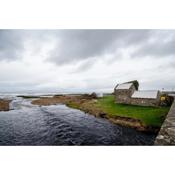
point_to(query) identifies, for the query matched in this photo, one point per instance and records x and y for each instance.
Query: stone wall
(144, 101)
(166, 134)
(124, 95)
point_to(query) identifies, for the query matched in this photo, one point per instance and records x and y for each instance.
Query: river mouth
(27, 124)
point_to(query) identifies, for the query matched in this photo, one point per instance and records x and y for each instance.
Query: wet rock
(102, 115)
(4, 105)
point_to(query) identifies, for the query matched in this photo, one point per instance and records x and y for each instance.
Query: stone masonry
(166, 134)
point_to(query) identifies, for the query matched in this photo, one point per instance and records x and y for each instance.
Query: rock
(89, 96)
(102, 114)
(4, 105)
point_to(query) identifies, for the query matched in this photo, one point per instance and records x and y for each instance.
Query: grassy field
(151, 116)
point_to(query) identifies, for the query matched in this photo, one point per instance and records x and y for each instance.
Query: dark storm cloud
(80, 45)
(11, 44)
(161, 43)
(77, 45)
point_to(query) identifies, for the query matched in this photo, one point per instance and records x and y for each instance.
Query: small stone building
(123, 92)
(146, 98)
(127, 93)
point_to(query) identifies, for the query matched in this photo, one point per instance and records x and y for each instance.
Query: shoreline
(85, 104)
(119, 120)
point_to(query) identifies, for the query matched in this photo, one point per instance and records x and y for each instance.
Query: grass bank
(139, 117)
(151, 116)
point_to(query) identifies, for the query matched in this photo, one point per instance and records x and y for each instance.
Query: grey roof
(145, 94)
(172, 95)
(124, 86)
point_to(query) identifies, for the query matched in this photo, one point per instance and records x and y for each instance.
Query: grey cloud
(163, 45)
(85, 47)
(82, 44)
(85, 65)
(76, 45)
(11, 44)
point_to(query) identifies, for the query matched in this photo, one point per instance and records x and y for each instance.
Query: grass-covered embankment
(151, 116)
(139, 117)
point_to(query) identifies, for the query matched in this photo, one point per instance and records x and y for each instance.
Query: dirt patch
(4, 105)
(87, 104)
(54, 100)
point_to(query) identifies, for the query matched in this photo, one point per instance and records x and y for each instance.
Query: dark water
(60, 125)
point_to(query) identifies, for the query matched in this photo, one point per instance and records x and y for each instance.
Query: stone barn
(123, 92)
(146, 98)
(128, 93)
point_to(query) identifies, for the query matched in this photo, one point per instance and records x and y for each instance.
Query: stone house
(146, 98)
(127, 93)
(123, 92)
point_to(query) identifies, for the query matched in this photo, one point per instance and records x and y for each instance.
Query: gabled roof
(145, 94)
(124, 86)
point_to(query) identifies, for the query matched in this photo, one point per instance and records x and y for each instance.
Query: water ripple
(27, 124)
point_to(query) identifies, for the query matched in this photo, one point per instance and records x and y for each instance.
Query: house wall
(124, 95)
(144, 102)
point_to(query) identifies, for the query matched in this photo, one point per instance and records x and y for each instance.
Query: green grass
(151, 116)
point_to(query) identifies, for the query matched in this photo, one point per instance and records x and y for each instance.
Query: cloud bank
(86, 60)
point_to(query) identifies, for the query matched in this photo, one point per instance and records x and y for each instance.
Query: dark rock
(102, 114)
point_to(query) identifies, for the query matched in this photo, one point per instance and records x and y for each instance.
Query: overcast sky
(86, 60)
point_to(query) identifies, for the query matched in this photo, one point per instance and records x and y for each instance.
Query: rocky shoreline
(85, 103)
(4, 105)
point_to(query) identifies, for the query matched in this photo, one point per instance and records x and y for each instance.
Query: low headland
(148, 119)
